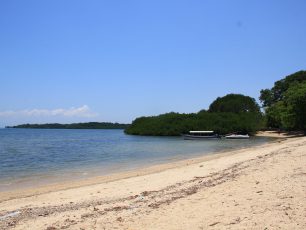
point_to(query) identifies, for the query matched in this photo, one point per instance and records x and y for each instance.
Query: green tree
(234, 103)
(266, 97)
(274, 115)
(285, 102)
(270, 96)
(294, 117)
(232, 113)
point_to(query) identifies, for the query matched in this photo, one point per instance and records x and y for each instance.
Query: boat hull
(238, 137)
(193, 137)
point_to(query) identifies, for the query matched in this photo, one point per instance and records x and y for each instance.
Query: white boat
(201, 135)
(237, 136)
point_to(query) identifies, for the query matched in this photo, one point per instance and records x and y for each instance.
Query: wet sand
(255, 188)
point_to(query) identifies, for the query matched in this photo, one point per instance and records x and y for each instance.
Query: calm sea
(30, 157)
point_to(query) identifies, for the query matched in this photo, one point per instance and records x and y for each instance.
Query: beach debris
(236, 221)
(51, 228)
(154, 205)
(11, 214)
(87, 215)
(117, 208)
(132, 197)
(145, 193)
(213, 224)
(120, 219)
(44, 213)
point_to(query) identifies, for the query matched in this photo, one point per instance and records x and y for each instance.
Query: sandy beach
(262, 187)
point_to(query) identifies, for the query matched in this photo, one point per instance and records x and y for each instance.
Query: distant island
(87, 125)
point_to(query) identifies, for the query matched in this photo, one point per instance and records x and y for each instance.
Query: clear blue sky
(70, 61)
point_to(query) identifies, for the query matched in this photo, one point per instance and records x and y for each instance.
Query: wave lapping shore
(260, 187)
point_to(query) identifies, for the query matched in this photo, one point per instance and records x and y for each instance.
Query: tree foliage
(285, 103)
(294, 116)
(269, 97)
(234, 103)
(243, 115)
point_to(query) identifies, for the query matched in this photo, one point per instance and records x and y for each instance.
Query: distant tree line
(87, 125)
(232, 113)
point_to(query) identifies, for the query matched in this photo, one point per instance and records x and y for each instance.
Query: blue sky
(71, 61)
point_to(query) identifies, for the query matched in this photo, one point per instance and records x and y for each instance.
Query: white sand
(261, 187)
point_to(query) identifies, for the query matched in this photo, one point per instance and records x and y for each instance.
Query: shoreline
(70, 183)
(253, 188)
(36, 167)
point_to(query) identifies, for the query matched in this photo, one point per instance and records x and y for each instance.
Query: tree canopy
(232, 113)
(234, 103)
(285, 103)
(269, 97)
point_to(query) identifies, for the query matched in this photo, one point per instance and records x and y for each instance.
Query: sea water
(30, 157)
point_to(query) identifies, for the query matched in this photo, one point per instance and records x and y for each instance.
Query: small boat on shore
(237, 136)
(201, 135)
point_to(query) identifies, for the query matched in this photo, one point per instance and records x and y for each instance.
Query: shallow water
(30, 157)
